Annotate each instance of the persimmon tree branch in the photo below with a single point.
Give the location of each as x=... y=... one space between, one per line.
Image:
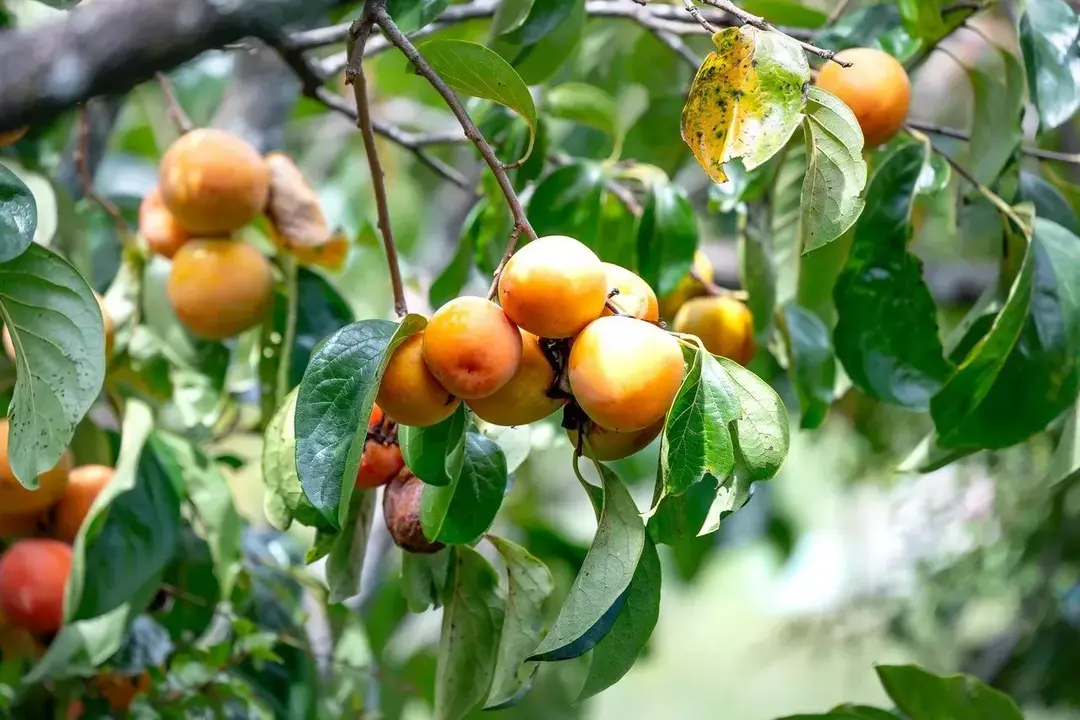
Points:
x=1041 y=154
x=355 y=77
x=86 y=175
x=172 y=104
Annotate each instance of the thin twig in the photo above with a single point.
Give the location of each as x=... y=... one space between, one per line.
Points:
x=1070 y=158
x=511 y=245
x=86 y=180
x=718 y=290
x=675 y=44
x=383 y=20
x=172 y=104
x=696 y=14
x=836 y=12
x=355 y=77
x=762 y=24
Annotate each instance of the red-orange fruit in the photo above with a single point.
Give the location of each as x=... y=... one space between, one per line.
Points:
x=408 y=393
x=32 y=578
x=163 y=233
x=876 y=88
x=382 y=459
x=525 y=398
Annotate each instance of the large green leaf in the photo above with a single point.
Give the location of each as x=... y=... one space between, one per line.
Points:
x=698 y=511
x=922 y=18
x=568 y=202
x=283 y=497
x=345 y=561
x=1049 y=30
x=322 y=310
x=923 y=696
x=584 y=104
x=333 y=405
x=761 y=433
x=132 y=530
x=886 y=334
x=541 y=41
x=667 y=237
x=471 y=625
x=811 y=363
x=1049 y=202
x=999 y=99
x=832 y=193
x=529 y=584
x=423 y=579
x=606 y=573
x=616 y=653
x=18 y=215
x=436 y=453
x=786 y=12
x=411 y=15
x=847 y=712
x=478 y=71
x=746 y=100
x=59 y=338
x=696 y=438
x=757 y=269
x=463 y=510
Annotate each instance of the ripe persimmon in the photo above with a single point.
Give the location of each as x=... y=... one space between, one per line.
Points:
x=553 y=287
x=401 y=510
x=17 y=500
x=163 y=233
x=876 y=88
x=525 y=398
x=634 y=297
x=625 y=372
x=409 y=394
x=213 y=182
x=32 y=577
x=219 y=288
x=604 y=445
x=724 y=325
x=382 y=459
x=471 y=347
x=22 y=525
x=690 y=286
x=84 y=484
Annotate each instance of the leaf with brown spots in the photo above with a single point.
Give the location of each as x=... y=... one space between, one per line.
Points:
x=746 y=100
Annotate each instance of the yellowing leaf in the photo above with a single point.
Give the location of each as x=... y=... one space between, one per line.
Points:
x=746 y=100
x=297 y=220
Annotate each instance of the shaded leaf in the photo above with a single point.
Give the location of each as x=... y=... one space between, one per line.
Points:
x=568 y=202
x=999 y=99
x=1049 y=30
x=436 y=453
x=411 y=15
x=584 y=104
x=1048 y=201
x=345 y=562
x=463 y=510
x=667 y=237
x=923 y=696
x=18 y=216
x=812 y=364
x=423 y=579
x=699 y=510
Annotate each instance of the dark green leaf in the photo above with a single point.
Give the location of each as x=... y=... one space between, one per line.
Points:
x=584 y=104
x=538 y=62
x=1049 y=30
x=862 y=27
x=529 y=585
x=345 y=562
x=462 y=511
x=698 y=511
x=761 y=433
x=847 y=712
x=411 y=15
x=18 y=215
x=812 y=365
x=667 y=237
x=757 y=269
x=436 y=453
x=542 y=19
x=59 y=338
x=696 y=437
x=886 y=335
x=832 y=193
x=568 y=202
x=478 y=71
x=606 y=573
x=923 y=696
x=471 y=624
x=194 y=606
x=333 y=406
x=322 y=311
x=453 y=277
x=1048 y=201
x=786 y=12
x=999 y=99
x=423 y=579
x=613 y=656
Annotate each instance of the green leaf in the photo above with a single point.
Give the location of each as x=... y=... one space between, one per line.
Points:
x=333 y=406
x=1065 y=461
x=529 y=585
x=832 y=193
x=923 y=696
x=698 y=511
x=423 y=578
x=59 y=337
x=436 y=453
x=453 y=277
x=1048 y=40
x=132 y=530
x=613 y=656
x=471 y=624
x=18 y=216
x=514 y=441
x=786 y=12
x=865 y=26
x=847 y=712
x=463 y=511
x=606 y=573
x=667 y=237
x=194 y=607
x=80 y=647
x=411 y=15
x=999 y=100
x=542 y=19
x=761 y=433
x=583 y=104
x=323 y=311
x=746 y=100
x=209 y=494
x=696 y=438
x=568 y=202
x=345 y=563
x=1048 y=201
x=886 y=334
x=283 y=497
x=812 y=364
x=757 y=269
x=478 y=71
x=922 y=18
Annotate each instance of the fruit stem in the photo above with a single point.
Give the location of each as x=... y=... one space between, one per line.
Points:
x=80 y=156
x=511 y=245
x=713 y=289
x=354 y=75
x=172 y=104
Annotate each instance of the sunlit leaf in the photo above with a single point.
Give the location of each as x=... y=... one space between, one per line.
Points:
x=1049 y=30
x=18 y=215
x=463 y=510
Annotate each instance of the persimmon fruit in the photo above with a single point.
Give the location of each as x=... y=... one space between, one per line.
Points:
x=632 y=295
x=553 y=287
x=690 y=286
x=625 y=372
x=382 y=459
x=724 y=325
x=409 y=394
x=15 y=500
x=876 y=88
x=33 y=573
x=605 y=445
x=219 y=288
x=525 y=398
x=163 y=232
x=84 y=484
x=213 y=182
x=401 y=510
x=471 y=347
